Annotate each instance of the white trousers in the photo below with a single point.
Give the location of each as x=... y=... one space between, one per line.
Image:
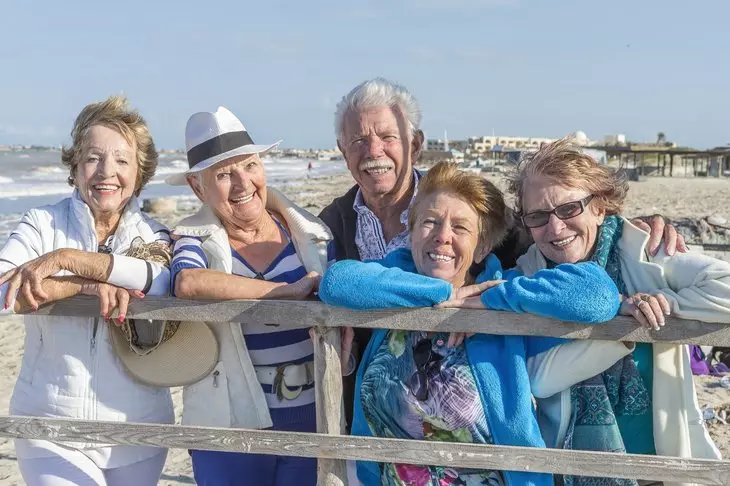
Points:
x=73 y=468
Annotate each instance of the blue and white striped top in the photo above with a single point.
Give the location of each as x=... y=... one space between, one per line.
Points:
x=266 y=347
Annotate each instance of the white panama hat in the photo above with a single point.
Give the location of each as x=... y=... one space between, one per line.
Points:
x=214 y=137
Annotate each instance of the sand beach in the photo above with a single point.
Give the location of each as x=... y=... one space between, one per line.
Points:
x=688 y=201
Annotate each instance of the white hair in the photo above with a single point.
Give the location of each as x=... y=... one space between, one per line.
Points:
x=198 y=176
x=378 y=92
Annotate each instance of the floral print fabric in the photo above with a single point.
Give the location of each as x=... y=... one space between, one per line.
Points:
x=452 y=412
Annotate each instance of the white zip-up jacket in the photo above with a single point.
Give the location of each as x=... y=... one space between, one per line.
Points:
x=697 y=287
x=231 y=395
x=69 y=369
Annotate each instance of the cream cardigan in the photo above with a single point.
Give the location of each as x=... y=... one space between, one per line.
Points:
x=697 y=287
x=231 y=396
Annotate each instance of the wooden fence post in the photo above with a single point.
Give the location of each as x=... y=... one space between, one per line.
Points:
x=330 y=407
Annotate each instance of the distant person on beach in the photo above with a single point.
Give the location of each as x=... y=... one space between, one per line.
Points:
x=309 y=169
x=441 y=387
x=377 y=125
x=247 y=242
x=572 y=207
x=75 y=247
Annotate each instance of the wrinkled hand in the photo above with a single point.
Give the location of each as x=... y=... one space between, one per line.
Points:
x=111 y=298
x=347 y=335
x=467 y=297
x=648 y=309
x=660 y=232
x=301 y=289
x=28 y=279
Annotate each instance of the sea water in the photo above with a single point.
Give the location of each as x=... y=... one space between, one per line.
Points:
x=34 y=178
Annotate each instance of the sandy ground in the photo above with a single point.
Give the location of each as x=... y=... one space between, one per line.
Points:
x=675 y=198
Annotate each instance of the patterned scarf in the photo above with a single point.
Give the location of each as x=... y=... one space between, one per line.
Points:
x=619 y=390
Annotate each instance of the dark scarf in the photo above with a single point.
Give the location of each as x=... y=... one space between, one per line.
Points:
x=617 y=391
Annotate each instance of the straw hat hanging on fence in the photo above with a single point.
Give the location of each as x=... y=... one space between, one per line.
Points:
x=163 y=353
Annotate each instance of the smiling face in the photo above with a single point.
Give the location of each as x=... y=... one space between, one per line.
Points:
x=234 y=189
x=106 y=172
x=445 y=237
x=379 y=149
x=562 y=241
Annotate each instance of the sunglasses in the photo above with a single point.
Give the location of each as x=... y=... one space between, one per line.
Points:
x=425 y=360
x=568 y=210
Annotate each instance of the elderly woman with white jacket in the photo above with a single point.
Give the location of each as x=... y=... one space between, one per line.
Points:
x=646 y=401
x=75 y=247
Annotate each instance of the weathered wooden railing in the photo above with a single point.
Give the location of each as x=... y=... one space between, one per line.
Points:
x=329 y=445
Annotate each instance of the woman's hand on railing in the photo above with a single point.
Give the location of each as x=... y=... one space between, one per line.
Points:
x=110 y=298
x=28 y=279
x=469 y=296
x=299 y=290
x=466 y=297
x=648 y=309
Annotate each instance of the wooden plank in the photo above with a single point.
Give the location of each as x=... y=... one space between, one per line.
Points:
x=510 y=323
x=274 y=312
x=330 y=407
x=312 y=313
x=602 y=464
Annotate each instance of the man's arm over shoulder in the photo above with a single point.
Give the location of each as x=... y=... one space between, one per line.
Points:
x=340 y=217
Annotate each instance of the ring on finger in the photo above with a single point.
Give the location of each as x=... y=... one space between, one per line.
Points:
x=645 y=298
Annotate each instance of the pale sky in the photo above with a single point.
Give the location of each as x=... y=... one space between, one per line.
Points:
x=520 y=67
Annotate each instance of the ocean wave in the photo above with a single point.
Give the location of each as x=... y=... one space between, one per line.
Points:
x=29 y=190
x=166 y=170
x=48 y=169
x=5 y=180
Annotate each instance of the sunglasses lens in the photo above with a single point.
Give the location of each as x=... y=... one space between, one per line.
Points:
x=538 y=218
x=569 y=210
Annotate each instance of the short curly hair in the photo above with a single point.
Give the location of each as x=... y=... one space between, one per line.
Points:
x=567 y=165
x=483 y=196
x=114 y=113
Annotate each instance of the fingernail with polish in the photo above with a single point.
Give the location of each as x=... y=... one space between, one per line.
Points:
x=121 y=319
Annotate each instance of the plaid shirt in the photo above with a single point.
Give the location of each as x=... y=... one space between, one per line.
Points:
x=369 y=236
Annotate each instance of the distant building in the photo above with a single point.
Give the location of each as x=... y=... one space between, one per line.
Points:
x=618 y=139
x=441 y=145
x=456 y=155
x=720 y=165
x=480 y=145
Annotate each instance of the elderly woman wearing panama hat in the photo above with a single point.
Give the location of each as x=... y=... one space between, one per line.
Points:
x=247 y=242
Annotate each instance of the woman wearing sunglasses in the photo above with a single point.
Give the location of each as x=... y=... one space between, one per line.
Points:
x=416 y=385
x=572 y=207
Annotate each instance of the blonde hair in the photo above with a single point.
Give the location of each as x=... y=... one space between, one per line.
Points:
x=565 y=164
x=483 y=196
x=114 y=113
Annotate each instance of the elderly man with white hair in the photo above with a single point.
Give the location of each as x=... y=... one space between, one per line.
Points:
x=377 y=125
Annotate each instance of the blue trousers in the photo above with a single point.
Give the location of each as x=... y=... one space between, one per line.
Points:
x=213 y=468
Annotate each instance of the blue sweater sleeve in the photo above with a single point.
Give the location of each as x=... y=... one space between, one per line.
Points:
x=381 y=284
x=581 y=292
